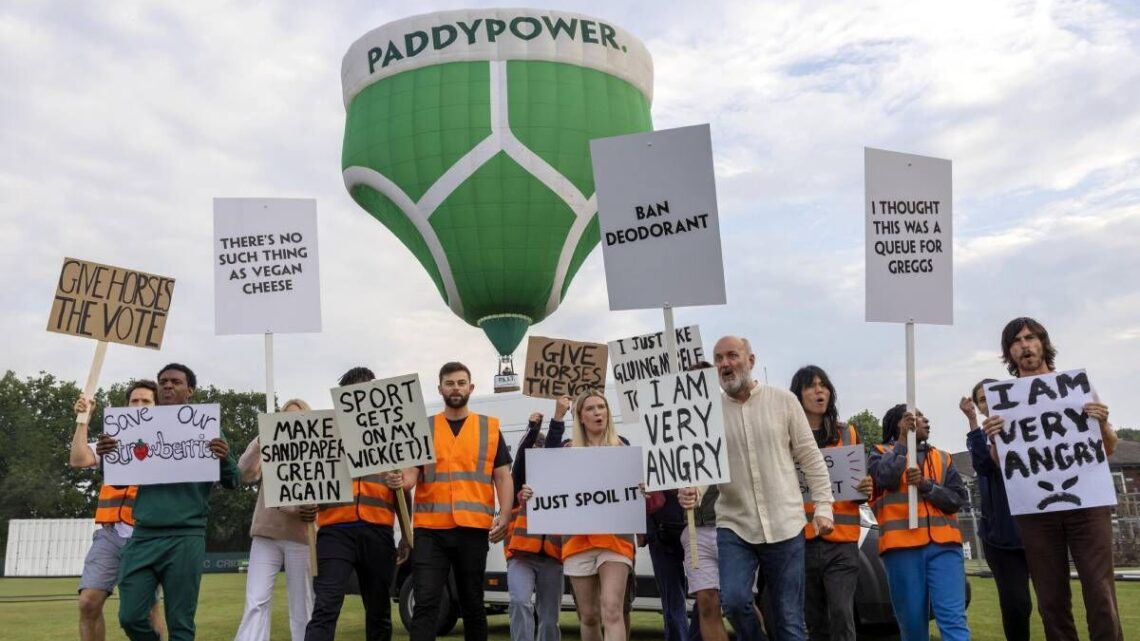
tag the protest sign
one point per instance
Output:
(383, 425)
(266, 277)
(161, 444)
(846, 465)
(658, 216)
(1051, 453)
(684, 424)
(111, 304)
(643, 357)
(302, 459)
(558, 367)
(909, 238)
(566, 501)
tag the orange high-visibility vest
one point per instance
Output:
(846, 513)
(373, 502)
(116, 504)
(519, 540)
(934, 525)
(458, 490)
(578, 543)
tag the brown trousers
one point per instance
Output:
(1085, 533)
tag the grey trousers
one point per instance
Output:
(832, 572)
(538, 576)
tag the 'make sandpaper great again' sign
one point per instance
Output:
(302, 459)
(112, 304)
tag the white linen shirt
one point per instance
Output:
(766, 436)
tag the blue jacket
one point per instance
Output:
(997, 527)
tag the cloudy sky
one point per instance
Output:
(122, 121)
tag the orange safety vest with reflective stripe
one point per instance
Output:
(519, 540)
(846, 513)
(578, 543)
(372, 502)
(458, 490)
(892, 512)
(116, 504)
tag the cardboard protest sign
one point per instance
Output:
(161, 444)
(658, 216)
(1051, 453)
(846, 465)
(558, 367)
(909, 238)
(302, 459)
(684, 423)
(566, 501)
(266, 276)
(111, 304)
(639, 358)
(383, 425)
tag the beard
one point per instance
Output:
(739, 382)
(456, 401)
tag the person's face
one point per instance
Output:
(173, 389)
(922, 427)
(980, 402)
(141, 397)
(594, 415)
(815, 397)
(733, 364)
(455, 389)
(1027, 352)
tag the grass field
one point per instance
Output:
(35, 609)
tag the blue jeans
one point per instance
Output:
(932, 577)
(781, 567)
(540, 577)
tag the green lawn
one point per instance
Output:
(33, 609)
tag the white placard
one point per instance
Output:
(302, 460)
(683, 419)
(1051, 453)
(384, 425)
(658, 216)
(161, 444)
(266, 276)
(846, 465)
(639, 358)
(909, 238)
(607, 500)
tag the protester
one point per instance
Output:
(665, 521)
(703, 581)
(1001, 541)
(832, 559)
(1050, 538)
(114, 514)
(168, 546)
(925, 568)
(280, 541)
(455, 517)
(598, 565)
(534, 561)
(355, 537)
(760, 514)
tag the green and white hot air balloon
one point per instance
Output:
(467, 135)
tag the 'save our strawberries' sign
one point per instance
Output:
(161, 444)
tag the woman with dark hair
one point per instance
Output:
(1001, 539)
(832, 559)
(925, 568)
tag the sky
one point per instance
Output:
(122, 121)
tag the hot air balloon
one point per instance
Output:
(467, 135)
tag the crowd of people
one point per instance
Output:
(774, 566)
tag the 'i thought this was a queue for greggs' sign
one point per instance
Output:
(467, 135)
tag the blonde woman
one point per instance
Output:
(279, 540)
(599, 565)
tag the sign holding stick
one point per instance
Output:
(111, 304)
(161, 444)
(556, 367)
(684, 421)
(639, 358)
(566, 501)
(302, 459)
(846, 465)
(1051, 453)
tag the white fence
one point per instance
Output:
(47, 547)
